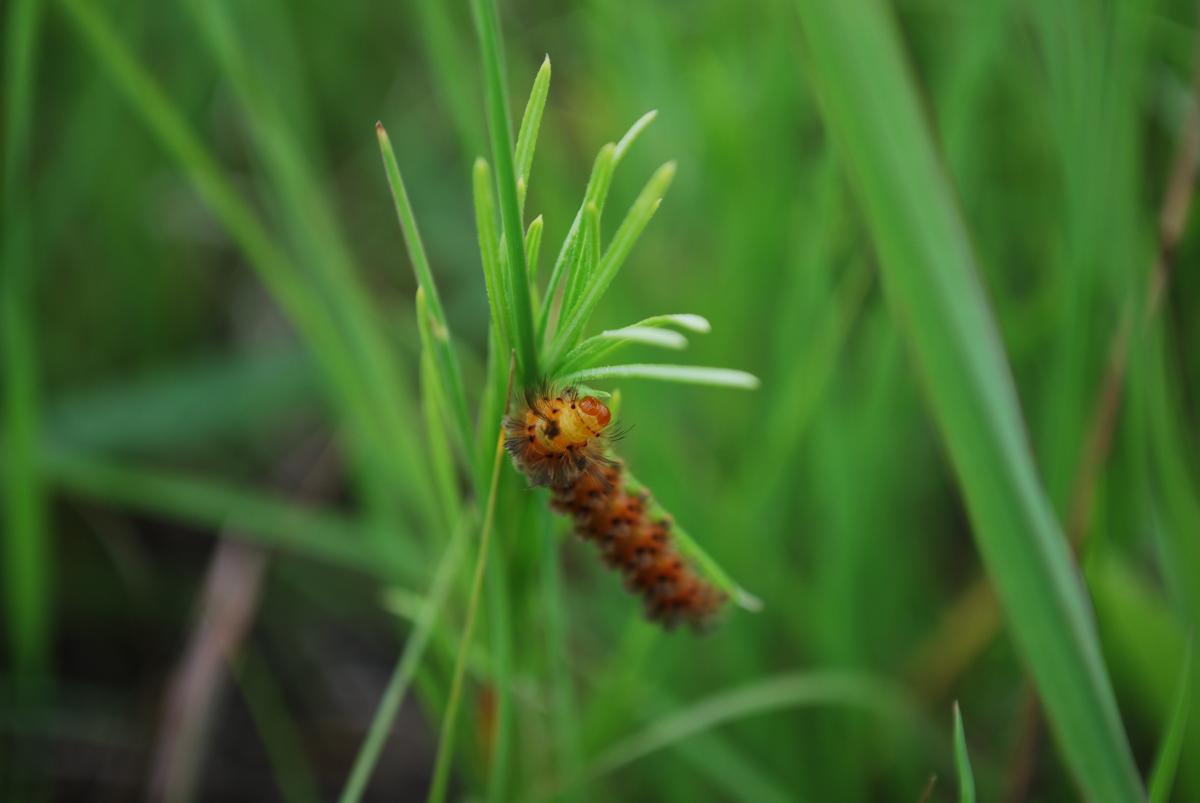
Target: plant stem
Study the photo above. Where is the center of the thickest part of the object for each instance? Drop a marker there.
(441, 772)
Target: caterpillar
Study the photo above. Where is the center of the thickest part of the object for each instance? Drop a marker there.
(561, 441)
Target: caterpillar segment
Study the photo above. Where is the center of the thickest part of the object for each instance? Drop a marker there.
(559, 441)
(556, 438)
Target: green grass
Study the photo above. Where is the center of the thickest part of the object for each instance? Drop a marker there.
(1162, 776)
(875, 311)
(27, 554)
(962, 761)
(933, 284)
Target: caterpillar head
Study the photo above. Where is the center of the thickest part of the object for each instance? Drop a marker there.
(595, 409)
(557, 437)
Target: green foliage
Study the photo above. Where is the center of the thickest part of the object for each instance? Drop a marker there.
(962, 761)
(1162, 777)
(930, 269)
(202, 272)
(27, 553)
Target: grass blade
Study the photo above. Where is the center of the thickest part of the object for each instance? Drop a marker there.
(773, 694)
(577, 311)
(646, 335)
(270, 522)
(731, 772)
(142, 416)
(1162, 777)
(328, 268)
(583, 260)
(27, 559)
(684, 320)
(276, 727)
(685, 374)
(359, 403)
(441, 770)
(406, 669)
(445, 483)
(596, 192)
(494, 281)
(533, 249)
(492, 55)
(962, 761)
(450, 64)
(649, 332)
(27, 547)
(874, 115)
(527, 134)
(631, 136)
(449, 372)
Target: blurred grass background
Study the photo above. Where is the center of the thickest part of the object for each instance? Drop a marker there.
(210, 346)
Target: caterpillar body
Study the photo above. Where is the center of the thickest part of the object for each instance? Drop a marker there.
(559, 440)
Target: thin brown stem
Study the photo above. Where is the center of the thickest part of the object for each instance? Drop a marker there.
(927, 792)
(228, 608)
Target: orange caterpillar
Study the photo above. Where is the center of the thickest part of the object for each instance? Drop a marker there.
(559, 441)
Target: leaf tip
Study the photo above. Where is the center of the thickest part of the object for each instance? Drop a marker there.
(747, 601)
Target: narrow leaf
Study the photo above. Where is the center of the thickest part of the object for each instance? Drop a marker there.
(533, 248)
(601, 346)
(648, 335)
(875, 115)
(685, 374)
(441, 771)
(406, 669)
(772, 694)
(1162, 777)
(585, 260)
(487, 23)
(531, 123)
(252, 516)
(566, 266)
(631, 136)
(449, 374)
(684, 320)
(597, 192)
(485, 224)
(962, 762)
(631, 227)
(598, 347)
(433, 406)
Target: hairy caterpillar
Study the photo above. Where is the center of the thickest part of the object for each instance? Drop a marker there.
(560, 441)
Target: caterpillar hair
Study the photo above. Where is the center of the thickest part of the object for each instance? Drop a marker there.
(559, 440)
